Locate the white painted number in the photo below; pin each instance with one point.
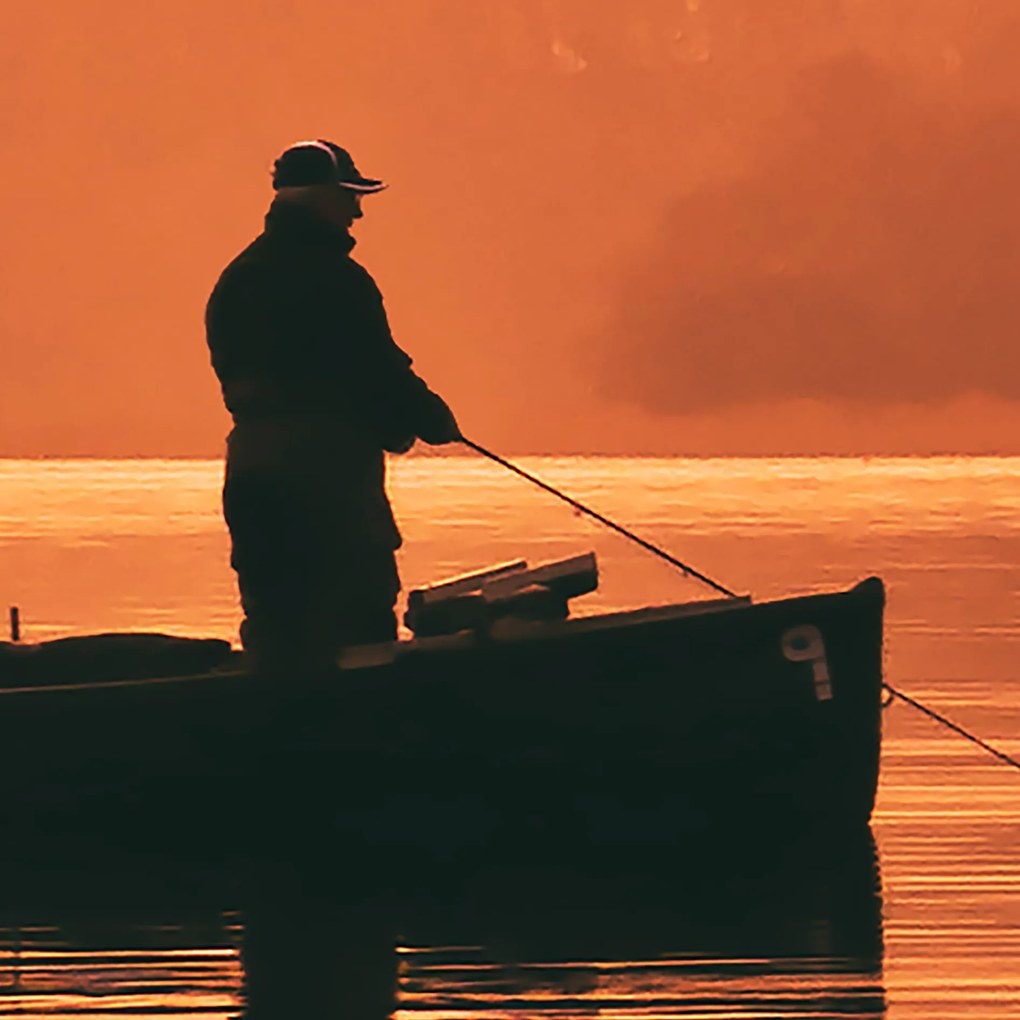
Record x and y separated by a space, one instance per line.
805 644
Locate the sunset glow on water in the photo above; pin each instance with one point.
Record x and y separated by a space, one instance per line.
139 545
741 275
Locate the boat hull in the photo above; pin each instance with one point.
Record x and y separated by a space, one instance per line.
662 725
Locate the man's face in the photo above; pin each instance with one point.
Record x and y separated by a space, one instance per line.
347 206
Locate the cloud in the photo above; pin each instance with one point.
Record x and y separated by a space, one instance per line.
871 255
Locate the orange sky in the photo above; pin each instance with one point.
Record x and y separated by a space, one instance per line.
671 226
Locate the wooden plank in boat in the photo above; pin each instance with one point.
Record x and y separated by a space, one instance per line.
477 611
460 612
532 602
475 600
569 578
462 584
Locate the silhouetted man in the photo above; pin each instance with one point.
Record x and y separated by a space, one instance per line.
318 390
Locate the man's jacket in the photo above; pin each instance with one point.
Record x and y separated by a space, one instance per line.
310 373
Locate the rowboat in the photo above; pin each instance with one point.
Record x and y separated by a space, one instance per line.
660 724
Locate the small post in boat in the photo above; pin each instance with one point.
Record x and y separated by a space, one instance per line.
15 624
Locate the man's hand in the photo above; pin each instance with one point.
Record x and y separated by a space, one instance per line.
452 430
399 445
443 427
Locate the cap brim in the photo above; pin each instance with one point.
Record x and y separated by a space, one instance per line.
364 185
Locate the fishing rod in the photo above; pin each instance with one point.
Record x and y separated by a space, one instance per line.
689 571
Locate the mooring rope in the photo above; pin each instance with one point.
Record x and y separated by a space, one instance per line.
689 571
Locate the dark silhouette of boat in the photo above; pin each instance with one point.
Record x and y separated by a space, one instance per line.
656 725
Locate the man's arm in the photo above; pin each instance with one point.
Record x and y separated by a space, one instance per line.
391 395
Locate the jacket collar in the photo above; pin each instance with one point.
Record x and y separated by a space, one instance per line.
294 220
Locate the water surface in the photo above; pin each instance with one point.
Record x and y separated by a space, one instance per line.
139 545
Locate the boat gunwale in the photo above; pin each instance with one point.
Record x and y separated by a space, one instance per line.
363 657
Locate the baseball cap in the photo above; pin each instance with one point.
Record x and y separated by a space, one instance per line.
320 162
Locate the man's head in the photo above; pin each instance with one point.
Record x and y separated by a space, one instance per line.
321 174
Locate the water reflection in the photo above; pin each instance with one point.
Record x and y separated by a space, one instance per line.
765 926
319 943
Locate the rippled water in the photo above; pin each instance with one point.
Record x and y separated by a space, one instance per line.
139 545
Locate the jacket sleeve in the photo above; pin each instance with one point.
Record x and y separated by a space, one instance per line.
388 393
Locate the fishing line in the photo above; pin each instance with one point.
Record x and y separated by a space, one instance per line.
689 571
914 703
